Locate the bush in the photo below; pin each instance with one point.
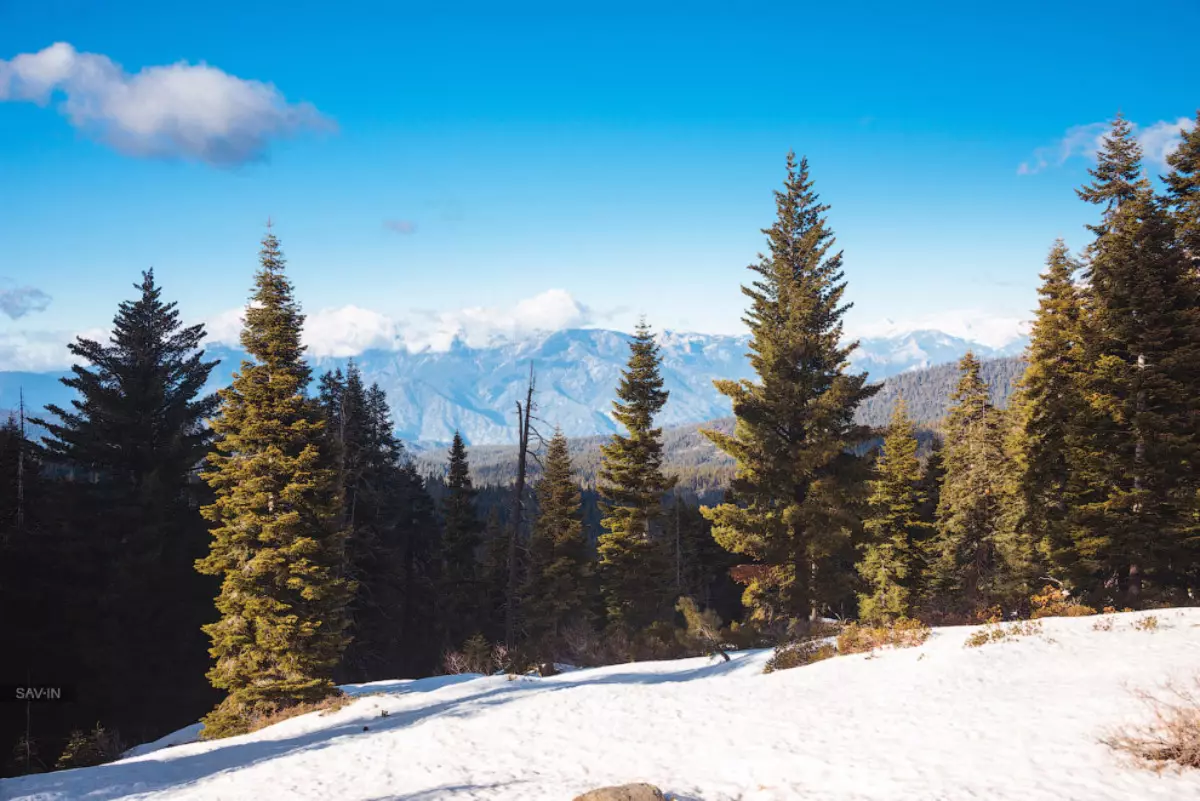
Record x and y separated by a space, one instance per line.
703 632
1147 623
1173 735
85 750
325 706
904 633
797 654
997 632
1054 602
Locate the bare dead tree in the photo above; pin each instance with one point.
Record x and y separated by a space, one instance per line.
525 432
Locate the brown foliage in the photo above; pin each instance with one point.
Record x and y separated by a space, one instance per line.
1173 735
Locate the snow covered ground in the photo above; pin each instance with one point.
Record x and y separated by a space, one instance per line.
1011 720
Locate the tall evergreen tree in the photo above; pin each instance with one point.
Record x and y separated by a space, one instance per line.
278 536
1047 411
797 481
1183 191
973 565
1143 384
633 568
555 591
894 528
462 591
135 436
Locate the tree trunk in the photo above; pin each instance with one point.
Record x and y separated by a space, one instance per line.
510 601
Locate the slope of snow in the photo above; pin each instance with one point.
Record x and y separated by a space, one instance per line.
1012 720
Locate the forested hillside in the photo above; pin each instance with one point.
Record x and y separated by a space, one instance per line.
704 471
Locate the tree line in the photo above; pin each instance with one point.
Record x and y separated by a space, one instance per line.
331 559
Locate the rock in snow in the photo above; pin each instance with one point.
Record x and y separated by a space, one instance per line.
1016 720
626 792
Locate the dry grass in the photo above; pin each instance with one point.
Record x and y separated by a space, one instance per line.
798 654
325 706
903 633
1054 602
999 632
1173 735
1147 623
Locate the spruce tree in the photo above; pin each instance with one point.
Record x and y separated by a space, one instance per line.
633 566
554 595
278 536
462 592
1142 383
797 481
1046 411
972 564
894 528
1183 192
133 439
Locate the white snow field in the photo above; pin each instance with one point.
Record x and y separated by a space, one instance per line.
1018 721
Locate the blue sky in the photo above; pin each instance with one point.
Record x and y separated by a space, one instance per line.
497 167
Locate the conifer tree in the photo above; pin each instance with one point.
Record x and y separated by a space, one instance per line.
797 481
134 438
972 565
633 567
1143 385
555 591
278 536
462 592
1183 192
1046 414
894 528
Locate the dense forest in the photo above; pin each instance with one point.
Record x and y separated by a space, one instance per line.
170 556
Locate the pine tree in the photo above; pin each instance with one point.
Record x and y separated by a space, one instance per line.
633 567
1142 384
797 481
893 525
278 537
973 565
462 592
135 436
1183 192
554 595
1046 411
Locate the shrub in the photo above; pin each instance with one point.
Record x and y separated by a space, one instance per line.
1103 624
1147 623
87 749
998 632
1055 602
796 654
903 633
1172 736
325 706
703 632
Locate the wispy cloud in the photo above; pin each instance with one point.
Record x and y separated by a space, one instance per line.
1158 141
973 325
186 111
401 226
17 303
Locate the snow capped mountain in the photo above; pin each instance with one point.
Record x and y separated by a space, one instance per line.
474 389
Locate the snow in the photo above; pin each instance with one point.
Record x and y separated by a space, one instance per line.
1019 719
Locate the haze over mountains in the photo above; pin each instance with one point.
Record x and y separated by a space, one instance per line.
474 389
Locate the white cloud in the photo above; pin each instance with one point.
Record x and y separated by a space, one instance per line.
1158 141
180 110
41 351
992 330
349 330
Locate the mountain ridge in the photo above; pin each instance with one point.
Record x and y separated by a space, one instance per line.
434 393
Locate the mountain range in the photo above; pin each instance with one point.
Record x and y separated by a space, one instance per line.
474 390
